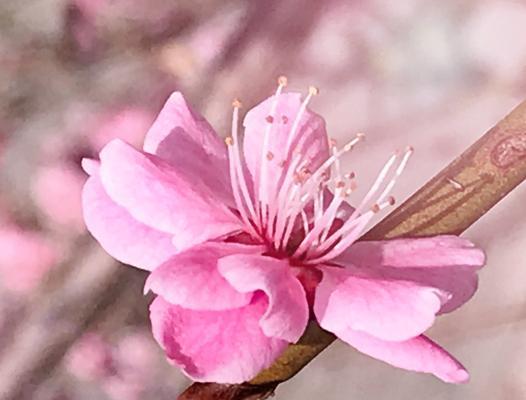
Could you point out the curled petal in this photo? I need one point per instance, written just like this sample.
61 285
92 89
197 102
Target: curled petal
448 263
387 309
164 198
437 251
418 354
122 236
191 279
186 140
288 313
215 346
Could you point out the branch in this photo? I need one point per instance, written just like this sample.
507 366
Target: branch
448 204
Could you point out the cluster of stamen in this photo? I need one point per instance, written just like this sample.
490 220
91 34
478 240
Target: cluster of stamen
275 213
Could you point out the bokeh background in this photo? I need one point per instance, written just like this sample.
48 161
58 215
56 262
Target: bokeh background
76 73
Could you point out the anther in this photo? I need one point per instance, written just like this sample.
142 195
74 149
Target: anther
237 103
353 185
229 141
270 155
282 164
375 208
313 90
391 200
282 80
340 184
333 142
348 192
350 175
284 119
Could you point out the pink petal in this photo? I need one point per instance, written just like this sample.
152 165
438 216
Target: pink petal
123 237
191 279
288 313
129 124
184 138
448 263
215 346
25 258
90 166
171 200
437 251
310 138
57 191
418 354
392 310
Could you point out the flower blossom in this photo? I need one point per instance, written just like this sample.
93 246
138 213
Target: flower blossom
248 242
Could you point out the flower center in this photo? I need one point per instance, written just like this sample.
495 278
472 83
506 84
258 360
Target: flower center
306 217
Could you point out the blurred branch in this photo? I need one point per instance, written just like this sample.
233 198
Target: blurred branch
449 203
55 318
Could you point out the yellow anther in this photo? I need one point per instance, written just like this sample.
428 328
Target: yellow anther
282 80
229 141
313 90
237 103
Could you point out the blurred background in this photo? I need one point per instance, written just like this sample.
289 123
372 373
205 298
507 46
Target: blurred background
76 73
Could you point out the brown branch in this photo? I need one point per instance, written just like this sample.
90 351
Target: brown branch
449 203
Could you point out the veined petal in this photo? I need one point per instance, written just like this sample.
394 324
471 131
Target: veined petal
191 279
123 237
165 198
447 262
288 313
215 346
186 140
418 354
436 251
309 139
393 310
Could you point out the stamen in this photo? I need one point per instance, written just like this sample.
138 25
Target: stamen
345 193
305 221
352 233
409 151
234 181
295 125
236 160
323 167
261 177
286 196
281 203
348 232
321 224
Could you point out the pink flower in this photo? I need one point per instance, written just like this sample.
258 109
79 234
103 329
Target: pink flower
25 258
90 358
247 242
57 186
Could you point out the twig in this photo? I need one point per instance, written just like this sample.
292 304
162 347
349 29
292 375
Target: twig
449 203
